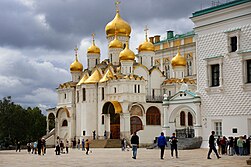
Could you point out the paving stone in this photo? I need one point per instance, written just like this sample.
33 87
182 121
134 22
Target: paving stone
114 157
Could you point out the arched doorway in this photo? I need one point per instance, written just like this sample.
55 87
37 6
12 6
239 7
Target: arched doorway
114 109
136 124
51 118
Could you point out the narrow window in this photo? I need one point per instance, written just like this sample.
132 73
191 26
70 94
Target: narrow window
77 96
103 93
170 93
248 71
65 96
233 43
103 119
96 61
111 58
115 90
84 92
138 88
135 88
215 71
151 61
141 60
88 63
153 93
182 118
190 119
65 123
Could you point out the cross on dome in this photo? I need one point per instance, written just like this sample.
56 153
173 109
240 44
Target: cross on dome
76 50
117 5
146 29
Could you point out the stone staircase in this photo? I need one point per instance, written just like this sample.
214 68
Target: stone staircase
105 143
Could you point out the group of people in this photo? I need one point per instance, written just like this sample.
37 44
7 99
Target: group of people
162 143
238 145
75 144
37 147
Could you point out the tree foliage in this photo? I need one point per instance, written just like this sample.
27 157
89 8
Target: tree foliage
17 123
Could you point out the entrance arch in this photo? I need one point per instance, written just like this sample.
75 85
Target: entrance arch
136 124
114 109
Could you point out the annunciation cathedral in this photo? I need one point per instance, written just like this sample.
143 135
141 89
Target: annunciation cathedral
188 83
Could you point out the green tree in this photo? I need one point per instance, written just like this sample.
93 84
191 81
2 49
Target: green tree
17 123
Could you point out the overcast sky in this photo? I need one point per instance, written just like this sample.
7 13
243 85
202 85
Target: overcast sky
37 38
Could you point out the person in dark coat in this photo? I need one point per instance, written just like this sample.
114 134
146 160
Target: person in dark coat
173 143
212 146
162 144
135 144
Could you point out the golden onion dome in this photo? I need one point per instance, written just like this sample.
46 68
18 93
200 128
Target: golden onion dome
126 54
178 60
76 66
121 25
116 43
93 48
146 46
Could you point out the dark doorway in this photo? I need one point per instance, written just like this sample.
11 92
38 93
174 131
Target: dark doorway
114 120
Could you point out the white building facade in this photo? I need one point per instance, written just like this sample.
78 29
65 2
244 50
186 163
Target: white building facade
223 48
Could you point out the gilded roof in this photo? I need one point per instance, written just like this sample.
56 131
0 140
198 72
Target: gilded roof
94 78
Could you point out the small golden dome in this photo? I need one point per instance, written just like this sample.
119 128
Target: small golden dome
122 26
116 43
126 54
93 48
146 46
178 60
76 65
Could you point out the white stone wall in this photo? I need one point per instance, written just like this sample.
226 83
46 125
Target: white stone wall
230 105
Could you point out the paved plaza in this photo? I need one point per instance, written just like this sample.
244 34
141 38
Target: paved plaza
117 158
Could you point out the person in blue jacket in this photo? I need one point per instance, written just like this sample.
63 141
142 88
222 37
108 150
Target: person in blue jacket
161 144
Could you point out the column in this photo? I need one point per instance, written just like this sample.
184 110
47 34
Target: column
166 127
47 125
198 126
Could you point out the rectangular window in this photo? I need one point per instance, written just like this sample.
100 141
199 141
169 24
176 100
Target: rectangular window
88 63
151 61
215 71
77 96
141 60
96 61
138 88
169 93
233 43
135 88
84 94
65 96
248 71
218 128
103 93
153 93
115 90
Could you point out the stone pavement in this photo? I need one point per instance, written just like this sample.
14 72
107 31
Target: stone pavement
114 157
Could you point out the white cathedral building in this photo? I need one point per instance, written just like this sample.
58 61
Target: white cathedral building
189 84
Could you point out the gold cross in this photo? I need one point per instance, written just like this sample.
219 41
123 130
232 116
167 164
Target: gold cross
93 35
76 49
146 29
117 5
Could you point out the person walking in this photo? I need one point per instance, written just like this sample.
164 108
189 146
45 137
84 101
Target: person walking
87 146
162 144
78 145
240 145
83 144
18 146
212 146
173 143
135 144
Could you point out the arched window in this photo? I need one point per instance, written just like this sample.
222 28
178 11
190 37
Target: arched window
190 119
153 116
65 123
182 118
